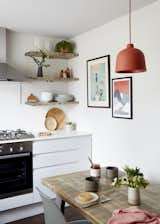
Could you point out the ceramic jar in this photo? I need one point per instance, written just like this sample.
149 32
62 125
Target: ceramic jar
91 184
95 171
133 196
111 172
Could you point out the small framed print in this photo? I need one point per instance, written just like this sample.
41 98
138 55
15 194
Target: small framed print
122 98
98 82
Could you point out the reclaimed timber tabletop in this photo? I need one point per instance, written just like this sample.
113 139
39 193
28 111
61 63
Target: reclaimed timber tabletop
68 186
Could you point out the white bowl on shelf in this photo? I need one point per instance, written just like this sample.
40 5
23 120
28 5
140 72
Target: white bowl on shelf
46 96
64 98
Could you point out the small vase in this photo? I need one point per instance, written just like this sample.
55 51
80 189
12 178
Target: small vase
40 71
133 196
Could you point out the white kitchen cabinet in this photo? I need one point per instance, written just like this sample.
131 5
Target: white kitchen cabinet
51 157
59 156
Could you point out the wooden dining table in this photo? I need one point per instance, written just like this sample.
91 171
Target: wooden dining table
68 186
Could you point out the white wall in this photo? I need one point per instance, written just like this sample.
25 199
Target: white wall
14 114
115 141
119 141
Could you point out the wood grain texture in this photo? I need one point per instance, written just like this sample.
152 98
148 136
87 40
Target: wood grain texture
51 103
70 185
52 54
53 79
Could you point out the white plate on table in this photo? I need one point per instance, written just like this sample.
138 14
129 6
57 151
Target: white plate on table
95 198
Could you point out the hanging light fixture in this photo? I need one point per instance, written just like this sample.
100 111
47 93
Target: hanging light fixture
130 59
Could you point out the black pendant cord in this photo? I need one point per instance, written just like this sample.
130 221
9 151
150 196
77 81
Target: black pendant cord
130 22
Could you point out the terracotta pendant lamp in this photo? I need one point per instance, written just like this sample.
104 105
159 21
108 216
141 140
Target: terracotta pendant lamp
130 59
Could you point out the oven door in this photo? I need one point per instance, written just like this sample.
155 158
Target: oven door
16 174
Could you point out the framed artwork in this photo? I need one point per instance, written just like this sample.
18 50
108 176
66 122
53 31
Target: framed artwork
122 98
98 82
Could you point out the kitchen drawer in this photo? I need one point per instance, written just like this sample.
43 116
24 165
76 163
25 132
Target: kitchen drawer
55 145
54 159
41 173
16 201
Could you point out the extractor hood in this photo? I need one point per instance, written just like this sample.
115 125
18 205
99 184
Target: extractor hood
7 72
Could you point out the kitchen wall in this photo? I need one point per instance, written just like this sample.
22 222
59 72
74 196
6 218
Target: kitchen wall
115 141
119 141
14 113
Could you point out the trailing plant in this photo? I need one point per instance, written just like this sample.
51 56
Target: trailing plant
133 178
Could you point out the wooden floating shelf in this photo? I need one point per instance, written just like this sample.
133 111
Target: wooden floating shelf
51 103
52 79
52 54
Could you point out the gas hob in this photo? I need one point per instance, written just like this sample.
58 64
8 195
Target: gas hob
15 134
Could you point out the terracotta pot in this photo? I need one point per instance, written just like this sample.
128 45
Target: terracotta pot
134 196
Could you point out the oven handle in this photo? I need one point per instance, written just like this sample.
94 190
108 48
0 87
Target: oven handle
15 155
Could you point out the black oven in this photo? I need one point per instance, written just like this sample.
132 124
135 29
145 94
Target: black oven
16 176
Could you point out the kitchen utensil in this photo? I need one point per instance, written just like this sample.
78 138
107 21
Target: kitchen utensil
97 202
46 96
58 115
91 184
111 172
90 160
95 197
50 123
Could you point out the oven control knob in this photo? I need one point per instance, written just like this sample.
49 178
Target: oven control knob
11 149
21 148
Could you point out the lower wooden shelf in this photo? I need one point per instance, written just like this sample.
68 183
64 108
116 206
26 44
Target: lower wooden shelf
53 79
51 103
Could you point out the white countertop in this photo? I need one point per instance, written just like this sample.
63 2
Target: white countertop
58 135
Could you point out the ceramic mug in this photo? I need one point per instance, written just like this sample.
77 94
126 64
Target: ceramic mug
95 171
91 184
111 172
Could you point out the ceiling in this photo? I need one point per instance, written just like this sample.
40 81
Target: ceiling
62 18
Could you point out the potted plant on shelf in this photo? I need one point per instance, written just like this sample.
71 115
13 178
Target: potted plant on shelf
41 63
134 180
64 47
69 126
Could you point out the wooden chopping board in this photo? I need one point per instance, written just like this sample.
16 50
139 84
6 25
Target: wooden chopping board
58 115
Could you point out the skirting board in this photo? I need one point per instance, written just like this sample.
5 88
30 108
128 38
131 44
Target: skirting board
20 213
24 212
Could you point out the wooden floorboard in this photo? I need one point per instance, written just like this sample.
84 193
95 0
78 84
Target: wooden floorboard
71 214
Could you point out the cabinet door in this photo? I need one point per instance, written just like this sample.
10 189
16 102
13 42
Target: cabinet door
39 174
55 145
54 159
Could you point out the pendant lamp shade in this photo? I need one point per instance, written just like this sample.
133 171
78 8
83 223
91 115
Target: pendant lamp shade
130 60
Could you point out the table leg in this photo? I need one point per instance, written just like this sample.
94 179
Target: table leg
62 206
60 203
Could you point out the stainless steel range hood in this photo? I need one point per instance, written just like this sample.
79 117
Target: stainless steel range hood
7 72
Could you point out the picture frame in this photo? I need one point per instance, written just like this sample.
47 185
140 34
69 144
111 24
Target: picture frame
98 82
122 98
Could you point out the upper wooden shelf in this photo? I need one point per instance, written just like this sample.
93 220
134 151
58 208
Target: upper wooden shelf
52 54
53 79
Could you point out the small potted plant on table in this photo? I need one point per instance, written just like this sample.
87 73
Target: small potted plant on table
134 180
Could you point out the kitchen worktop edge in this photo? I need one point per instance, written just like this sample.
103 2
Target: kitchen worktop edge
52 137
